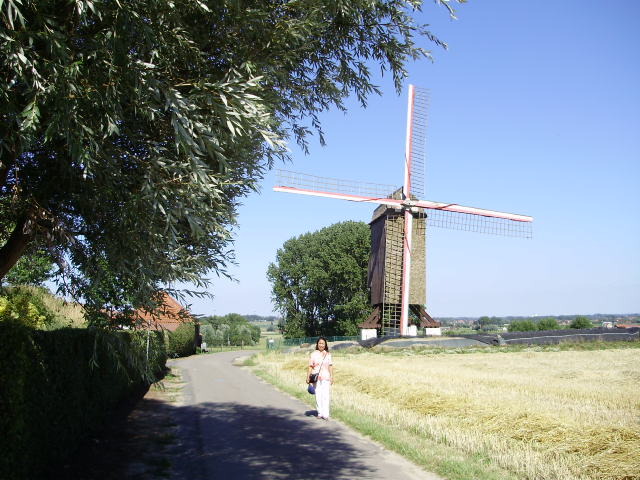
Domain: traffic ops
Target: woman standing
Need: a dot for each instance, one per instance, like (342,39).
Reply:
(320,362)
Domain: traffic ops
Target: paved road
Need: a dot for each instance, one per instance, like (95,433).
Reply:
(232,425)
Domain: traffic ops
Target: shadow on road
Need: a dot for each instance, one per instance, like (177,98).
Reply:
(246,442)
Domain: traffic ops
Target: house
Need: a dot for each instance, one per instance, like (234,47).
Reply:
(168,316)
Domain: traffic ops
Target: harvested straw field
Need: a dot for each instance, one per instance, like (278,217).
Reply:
(530,414)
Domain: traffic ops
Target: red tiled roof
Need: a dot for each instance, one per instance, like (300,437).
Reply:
(168,316)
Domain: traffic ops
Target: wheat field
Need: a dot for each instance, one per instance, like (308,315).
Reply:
(536,414)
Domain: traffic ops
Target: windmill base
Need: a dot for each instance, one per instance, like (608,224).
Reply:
(372,326)
(367,333)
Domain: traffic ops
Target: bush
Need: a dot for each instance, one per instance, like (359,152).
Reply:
(18,308)
(522,326)
(57,387)
(581,322)
(181,342)
(548,324)
(36,307)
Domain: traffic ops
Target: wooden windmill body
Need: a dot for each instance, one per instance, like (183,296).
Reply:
(384,277)
(397,264)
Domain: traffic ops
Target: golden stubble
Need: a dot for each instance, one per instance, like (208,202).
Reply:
(540,414)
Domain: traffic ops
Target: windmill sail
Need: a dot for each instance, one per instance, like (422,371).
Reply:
(416,139)
(439,214)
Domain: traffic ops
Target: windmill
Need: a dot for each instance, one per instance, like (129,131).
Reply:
(397,265)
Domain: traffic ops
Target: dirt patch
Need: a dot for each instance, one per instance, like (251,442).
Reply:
(134,445)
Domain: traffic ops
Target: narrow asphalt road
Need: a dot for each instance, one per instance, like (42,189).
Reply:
(233,425)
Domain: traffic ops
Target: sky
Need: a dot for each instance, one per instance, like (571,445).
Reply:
(534,109)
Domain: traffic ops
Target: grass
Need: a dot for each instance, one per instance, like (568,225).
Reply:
(567,411)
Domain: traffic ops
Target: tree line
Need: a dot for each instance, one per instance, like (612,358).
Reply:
(228,330)
(486,324)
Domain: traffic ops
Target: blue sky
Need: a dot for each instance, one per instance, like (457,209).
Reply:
(535,109)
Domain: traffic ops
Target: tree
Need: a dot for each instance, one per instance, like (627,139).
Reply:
(487,324)
(581,322)
(33,269)
(129,131)
(34,266)
(231,329)
(522,326)
(549,323)
(319,280)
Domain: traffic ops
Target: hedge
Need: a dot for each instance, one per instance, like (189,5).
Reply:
(181,342)
(57,387)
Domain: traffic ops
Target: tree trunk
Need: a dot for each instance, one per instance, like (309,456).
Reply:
(11,251)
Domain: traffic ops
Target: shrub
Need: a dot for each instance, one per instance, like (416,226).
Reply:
(181,342)
(57,387)
(581,322)
(548,324)
(36,307)
(18,308)
(522,326)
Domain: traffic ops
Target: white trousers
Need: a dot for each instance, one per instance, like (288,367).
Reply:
(323,397)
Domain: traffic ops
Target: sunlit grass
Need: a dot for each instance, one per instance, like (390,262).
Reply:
(534,412)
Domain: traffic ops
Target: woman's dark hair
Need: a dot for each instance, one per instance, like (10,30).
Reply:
(326,344)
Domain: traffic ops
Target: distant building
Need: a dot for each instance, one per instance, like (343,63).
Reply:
(168,316)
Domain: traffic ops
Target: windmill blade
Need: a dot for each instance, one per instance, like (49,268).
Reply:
(418,103)
(454,207)
(473,222)
(406,272)
(443,215)
(352,190)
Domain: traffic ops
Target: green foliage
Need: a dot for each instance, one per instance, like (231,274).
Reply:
(208,334)
(181,342)
(129,131)
(549,323)
(18,307)
(231,329)
(319,281)
(488,324)
(33,268)
(58,387)
(522,326)
(581,322)
(484,321)
(36,307)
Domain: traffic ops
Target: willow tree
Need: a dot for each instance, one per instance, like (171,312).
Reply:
(129,131)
